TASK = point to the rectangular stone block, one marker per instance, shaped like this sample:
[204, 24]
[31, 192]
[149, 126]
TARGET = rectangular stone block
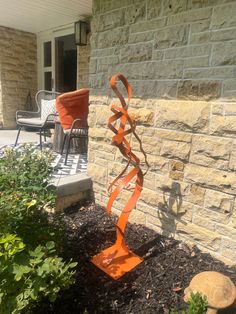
[199, 89]
[173, 135]
[172, 7]
[200, 235]
[141, 37]
[148, 25]
[232, 162]
[215, 179]
[210, 73]
[135, 13]
[200, 26]
[159, 88]
[187, 51]
[118, 36]
[224, 16]
[103, 64]
[97, 173]
[136, 53]
[209, 151]
[190, 16]
[224, 54]
[153, 9]
[175, 150]
[196, 62]
[183, 116]
[171, 37]
[219, 202]
[223, 126]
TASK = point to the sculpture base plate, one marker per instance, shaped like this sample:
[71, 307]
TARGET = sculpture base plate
[116, 261]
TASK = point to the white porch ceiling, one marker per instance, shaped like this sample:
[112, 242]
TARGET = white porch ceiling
[39, 15]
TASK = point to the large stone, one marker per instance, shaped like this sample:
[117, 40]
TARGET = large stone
[190, 16]
[232, 162]
[175, 150]
[136, 53]
[188, 52]
[199, 89]
[173, 135]
[223, 126]
[218, 201]
[172, 6]
[200, 235]
[158, 88]
[224, 54]
[213, 152]
[107, 39]
[142, 116]
[224, 16]
[148, 25]
[135, 13]
[223, 72]
[183, 116]
[211, 178]
[103, 64]
[171, 37]
[153, 9]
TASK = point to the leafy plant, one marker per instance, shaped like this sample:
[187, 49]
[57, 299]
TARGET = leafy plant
[197, 304]
[27, 276]
[26, 196]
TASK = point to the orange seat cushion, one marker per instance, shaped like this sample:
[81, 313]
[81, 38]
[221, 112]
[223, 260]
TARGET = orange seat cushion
[71, 106]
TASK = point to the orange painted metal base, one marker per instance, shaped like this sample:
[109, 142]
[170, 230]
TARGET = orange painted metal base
[116, 261]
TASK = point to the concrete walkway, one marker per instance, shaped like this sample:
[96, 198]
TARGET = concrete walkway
[8, 137]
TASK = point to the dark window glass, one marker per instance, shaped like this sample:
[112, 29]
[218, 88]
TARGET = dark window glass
[48, 80]
[47, 54]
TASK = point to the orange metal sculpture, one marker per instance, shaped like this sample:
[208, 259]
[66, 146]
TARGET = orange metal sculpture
[118, 259]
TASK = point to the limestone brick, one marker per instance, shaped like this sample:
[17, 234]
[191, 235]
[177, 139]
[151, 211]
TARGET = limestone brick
[224, 16]
[218, 201]
[216, 179]
[148, 25]
[224, 54]
[136, 53]
[190, 16]
[188, 117]
[171, 37]
[153, 9]
[213, 152]
[199, 89]
[175, 150]
[223, 126]
[200, 235]
[135, 13]
[187, 51]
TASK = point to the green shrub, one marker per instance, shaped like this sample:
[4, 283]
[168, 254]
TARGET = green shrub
[27, 276]
[26, 196]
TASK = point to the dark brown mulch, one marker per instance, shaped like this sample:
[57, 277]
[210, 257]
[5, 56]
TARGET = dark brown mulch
[155, 286]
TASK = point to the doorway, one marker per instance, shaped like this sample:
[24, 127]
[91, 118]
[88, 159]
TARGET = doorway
[57, 56]
[65, 63]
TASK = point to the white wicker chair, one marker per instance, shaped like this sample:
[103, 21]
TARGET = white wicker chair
[43, 118]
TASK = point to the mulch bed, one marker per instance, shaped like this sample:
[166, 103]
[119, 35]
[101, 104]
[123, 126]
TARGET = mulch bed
[155, 286]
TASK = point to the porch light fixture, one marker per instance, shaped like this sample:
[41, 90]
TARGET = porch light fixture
[81, 28]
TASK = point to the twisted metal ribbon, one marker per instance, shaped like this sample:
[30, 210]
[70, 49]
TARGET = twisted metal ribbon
[117, 260]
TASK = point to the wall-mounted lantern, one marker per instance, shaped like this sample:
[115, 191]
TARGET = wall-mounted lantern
[81, 29]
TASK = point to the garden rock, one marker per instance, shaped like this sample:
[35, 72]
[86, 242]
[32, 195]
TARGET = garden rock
[219, 290]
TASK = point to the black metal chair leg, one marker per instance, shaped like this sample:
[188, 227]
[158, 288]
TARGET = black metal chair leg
[44, 134]
[63, 143]
[40, 138]
[18, 133]
[67, 150]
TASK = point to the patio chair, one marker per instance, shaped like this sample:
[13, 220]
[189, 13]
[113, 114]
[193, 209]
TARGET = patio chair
[72, 108]
[42, 119]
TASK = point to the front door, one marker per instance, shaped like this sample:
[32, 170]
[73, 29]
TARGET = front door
[57, 56]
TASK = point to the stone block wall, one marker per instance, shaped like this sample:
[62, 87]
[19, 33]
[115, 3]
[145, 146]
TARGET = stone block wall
[180, 60]
[182, 49]
[83, 55]
[18, 76]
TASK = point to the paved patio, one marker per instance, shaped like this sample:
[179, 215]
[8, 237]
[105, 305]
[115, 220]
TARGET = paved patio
[77, 163]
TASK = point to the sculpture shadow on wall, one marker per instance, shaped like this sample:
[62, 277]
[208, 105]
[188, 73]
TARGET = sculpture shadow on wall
[169, 211]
